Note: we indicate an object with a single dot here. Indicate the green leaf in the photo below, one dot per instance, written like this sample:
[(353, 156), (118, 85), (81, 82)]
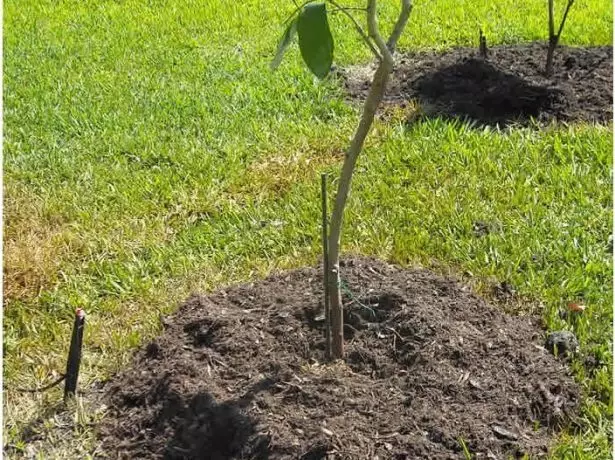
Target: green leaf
[(315, 39), (288, 36)]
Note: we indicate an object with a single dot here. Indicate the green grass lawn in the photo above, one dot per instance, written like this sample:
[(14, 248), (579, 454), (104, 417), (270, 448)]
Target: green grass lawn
[(149, 152)]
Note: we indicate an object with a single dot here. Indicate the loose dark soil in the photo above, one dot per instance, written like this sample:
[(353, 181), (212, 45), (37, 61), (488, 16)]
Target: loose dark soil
[(508, 87), (241, 374)]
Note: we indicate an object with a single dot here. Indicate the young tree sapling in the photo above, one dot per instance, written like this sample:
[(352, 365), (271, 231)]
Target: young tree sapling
[(309, 23)]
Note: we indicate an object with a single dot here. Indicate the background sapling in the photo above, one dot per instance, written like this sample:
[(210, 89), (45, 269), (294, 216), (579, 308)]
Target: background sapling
[(553, 36)]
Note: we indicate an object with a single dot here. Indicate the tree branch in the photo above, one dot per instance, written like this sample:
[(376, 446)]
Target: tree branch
[(357, 26), (348, 8), (561, 26), (374, 32), (553, 37), (297, 9), (400, 25)]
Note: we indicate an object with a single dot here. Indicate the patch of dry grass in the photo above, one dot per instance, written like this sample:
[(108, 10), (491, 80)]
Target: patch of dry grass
[(275, 175), (33, 246)]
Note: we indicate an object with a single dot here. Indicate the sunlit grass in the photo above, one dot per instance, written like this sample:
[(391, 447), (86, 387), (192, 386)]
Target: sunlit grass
[(149, 152)]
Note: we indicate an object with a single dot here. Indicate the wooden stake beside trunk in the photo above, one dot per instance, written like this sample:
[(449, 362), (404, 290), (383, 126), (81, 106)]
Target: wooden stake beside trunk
[(325, 263)]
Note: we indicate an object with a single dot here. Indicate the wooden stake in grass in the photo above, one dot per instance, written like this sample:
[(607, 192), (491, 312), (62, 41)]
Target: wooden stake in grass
[(554, 37), (74, 355), (325, 263)]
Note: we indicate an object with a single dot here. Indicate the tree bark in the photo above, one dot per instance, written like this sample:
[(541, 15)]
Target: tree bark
[(552, 42), (400, 25), (550, 52), (374, 98)]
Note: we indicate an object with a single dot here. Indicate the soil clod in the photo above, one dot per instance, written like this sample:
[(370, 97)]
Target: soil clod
[(562, 342)]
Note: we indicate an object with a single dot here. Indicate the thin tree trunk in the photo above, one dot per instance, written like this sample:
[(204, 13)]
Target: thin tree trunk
[(550, 53), (374, 98), (554, 37), (552, 43)]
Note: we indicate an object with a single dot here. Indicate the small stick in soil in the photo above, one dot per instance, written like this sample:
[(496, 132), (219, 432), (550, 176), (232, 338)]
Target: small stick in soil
[(74, 355), (325, 263), (482, 44)]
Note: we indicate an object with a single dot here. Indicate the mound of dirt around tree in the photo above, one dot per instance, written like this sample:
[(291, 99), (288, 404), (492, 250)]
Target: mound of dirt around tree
[(507, 87), (430, 368)]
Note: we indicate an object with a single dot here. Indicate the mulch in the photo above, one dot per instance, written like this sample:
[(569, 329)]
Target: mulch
[(509, 87), (431, 369)]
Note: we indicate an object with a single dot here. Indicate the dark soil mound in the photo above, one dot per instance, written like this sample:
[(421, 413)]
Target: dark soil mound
[(240, 374), (507, 87)]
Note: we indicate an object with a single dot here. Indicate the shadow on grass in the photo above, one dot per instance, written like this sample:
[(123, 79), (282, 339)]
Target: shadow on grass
[(35, 429)]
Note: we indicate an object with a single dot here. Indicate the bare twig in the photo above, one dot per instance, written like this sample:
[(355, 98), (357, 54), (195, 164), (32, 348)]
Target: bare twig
[(348, 8), (561, 25), (400, 25), (396, 333), (374, 32), (297, 9), (357, 26)]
